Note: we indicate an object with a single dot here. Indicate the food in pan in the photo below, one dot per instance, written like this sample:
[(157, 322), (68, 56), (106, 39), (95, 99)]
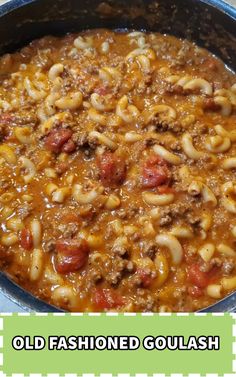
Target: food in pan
[(118, 159)]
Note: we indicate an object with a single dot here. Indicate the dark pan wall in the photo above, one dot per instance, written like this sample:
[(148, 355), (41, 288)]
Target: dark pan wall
[(196, 20)]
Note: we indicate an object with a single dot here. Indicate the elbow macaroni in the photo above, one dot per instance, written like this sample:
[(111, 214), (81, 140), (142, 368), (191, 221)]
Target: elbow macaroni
[(173, 245), (189, 149)]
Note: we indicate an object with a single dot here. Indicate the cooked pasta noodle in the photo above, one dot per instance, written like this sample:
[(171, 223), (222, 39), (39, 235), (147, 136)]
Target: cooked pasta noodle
[(174, 246), (97, 117), (166, 155), (99, 103), (214, 290), (36, 230), (225, 250), (229, 163), (36, 264), (30, 168), (206, 251), (197, 187), (200, 84), (128, 113), (140, 51), (9, 239), (103, 139), (154, 110), (182, 232), (107, 74), (24, 135), (224, 104), (222, 132), (189, 149), (71, 102), (88, 197), (228, 189), (55, 71), (218, 144), (157, 200), (34, 93), (83, 43), (7, 153), (64, 296), (229, 283)]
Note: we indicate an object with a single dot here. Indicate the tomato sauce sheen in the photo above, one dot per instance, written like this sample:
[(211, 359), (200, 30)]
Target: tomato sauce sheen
[(117, 167)]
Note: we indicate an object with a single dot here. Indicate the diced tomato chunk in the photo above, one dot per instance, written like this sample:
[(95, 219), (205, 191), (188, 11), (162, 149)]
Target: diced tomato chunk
[(145, 277), (68, 147), (26, 239), (57, 139), (107, 299), (72, 254), (195, 291), (155, 172), (197, 277), (112, 168)]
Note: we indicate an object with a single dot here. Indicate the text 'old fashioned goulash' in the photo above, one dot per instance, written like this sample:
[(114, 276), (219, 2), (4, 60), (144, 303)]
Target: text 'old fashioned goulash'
[(117, 161)]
